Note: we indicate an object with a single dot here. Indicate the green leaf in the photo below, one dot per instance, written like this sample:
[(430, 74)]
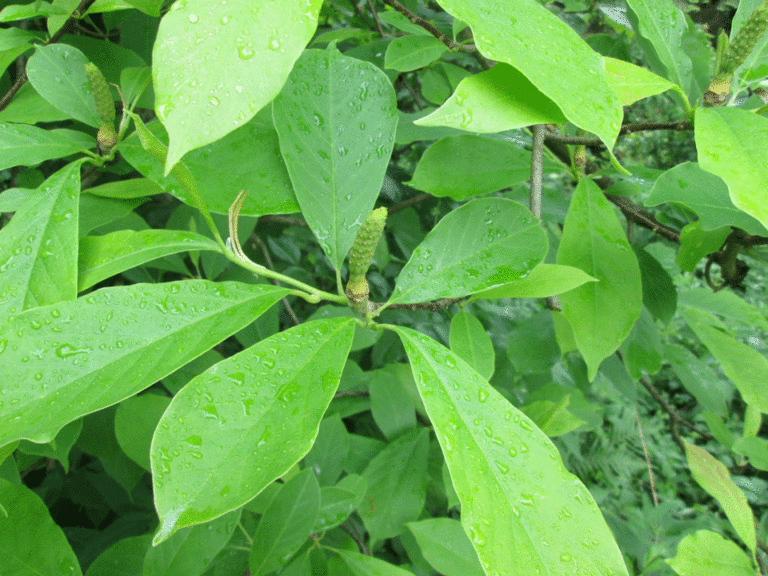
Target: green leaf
[(100, 349), (29, 145), (745, 366), (642, 349), (336, 119), (484, 243), (413, 51), (104, 256), (509, 477), (632, 83), (363, 565), (469, 165), (705, 194), (705, 552), (286, 524), (601, 313), (755, 449), (57, 72), (552, 418), (731, 144), (661, 26), (544, 280), (38, 248), (532, 346), (135, 421), (446, 547), (397, 485), (258, 411), (338, 502), (126, 189), (202, 91), (34, 10), (495, 100), (391, 406), (725, 304), (470, 342), (246, 159), (125, 556), (59, 447), (30, 541), (695, 243), (190, 551), (699, 379), (659, 292), (713, 477), (329, 450), (502, 32), (28, 107)]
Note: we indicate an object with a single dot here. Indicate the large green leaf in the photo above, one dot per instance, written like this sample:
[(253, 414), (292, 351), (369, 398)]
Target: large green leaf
[(216, 64), (745, 366), (446, 547), (286, 523), (57, 72), (706, 552), (524, 512), (246, 159), (727, 304), (661, 26), (104, 256), (73, 358), (363, 565), (485, 243), (601, 313), (469, 165), (495, 100), (257, 412), (544, 280), (30, 541), (336, 118), (564, 67), (190, 551), (713, 477), (397, 485), (632, 83), (29, 145), (470, 342), (731, 143), (705, 194), (38, 248)]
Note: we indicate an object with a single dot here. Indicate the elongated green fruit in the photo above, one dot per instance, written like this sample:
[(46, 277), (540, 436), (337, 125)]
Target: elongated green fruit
[(105, 107), (746, 39), (367, 238)]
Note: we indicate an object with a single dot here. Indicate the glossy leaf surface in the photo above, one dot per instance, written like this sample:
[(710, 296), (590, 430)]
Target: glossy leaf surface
[(501, 32), (29, 145), (30, 541), (731, 143), (713, 476), (38, 248), (104, 256), (484, 243), (233, 415), (286, 524), (544, 280), (632, 83), (470, 342), (495, 100), (217, 65), (705, 194), (57, 72), (336, 119), (100, 349), (509, 477), (601, 313)]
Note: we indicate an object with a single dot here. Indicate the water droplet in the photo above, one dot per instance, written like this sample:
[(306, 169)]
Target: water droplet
[(193, 18), (214, 101)]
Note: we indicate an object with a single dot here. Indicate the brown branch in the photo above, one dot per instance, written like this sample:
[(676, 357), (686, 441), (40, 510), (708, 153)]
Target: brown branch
[(435, 306), (282, 219), (647, 457), (354, 533), (376, 17), (414, 19), (408, 203), (537, 168), (642, 217), (679, 125)]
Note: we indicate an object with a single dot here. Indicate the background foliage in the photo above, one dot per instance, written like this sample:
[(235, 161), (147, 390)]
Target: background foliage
[(551, 362)]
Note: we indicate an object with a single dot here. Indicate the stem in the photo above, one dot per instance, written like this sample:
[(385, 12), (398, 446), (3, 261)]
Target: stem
[(423, 23)]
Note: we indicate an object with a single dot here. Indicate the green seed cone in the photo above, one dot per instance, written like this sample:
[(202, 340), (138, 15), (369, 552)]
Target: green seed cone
[(367, 238), (746, 39), (100, 90)]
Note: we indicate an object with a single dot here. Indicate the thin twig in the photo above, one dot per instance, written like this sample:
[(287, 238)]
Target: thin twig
[(641, 216), (354, 533), (432, 306), (670, 410), (647, 457), (679, 125), (537, 163), (376, 17), (423, 23), (260, 243), (407, 203)]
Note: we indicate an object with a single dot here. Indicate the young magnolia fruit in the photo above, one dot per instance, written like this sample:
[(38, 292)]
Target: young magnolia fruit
[(746, 39), (367, 238), (105, 107)]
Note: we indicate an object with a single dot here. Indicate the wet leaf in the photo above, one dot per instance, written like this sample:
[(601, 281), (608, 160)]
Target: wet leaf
[(484, 243), (632, 83), (544, 280), (29, 145), (470, 342), (70, 359), (336, 118), (509, 477), (446, 547), (258, 412), (217, 64)]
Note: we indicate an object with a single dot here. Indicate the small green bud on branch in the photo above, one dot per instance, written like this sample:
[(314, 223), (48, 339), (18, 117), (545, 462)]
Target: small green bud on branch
[(360, 257)]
